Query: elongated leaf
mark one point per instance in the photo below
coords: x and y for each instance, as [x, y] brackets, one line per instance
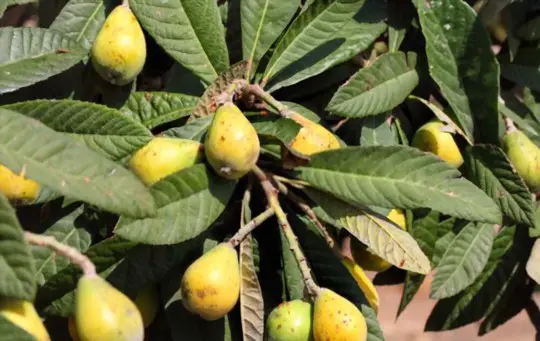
[10, 331]
[68, 231]
[533, 264]
[262, 23]
[355, 36]
[377, 88]
[81, 20]
[424, 231]
[188, 202]
[318, 23]
[400, 15]
[331, 273]
[155, 108]
[473, 303]
[369, 176]
[383, 237]
[189, 30]
[491, 171]
[31, 55]
[17, 270]
[193, 130]
[463, 261]
[206, 106]
[251, 300]
[100, 128]
[61, 164]
[466, 71]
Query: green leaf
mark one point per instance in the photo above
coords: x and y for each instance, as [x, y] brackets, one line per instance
[188, 30]
[152, 109]
[356, 35]
[400, 15]
[206, 106]
[251, 299]
[69, 168]
[377, 88]
[80, 21]
[283, 129]
[489, 168]
[424, 231]
[293, 277]
[10, 331]
[522, 114]
[318, 23]
[6, 3]
[475, 301]
[105, 130]
[194, 130]
[465, 70]
[369, 176]
[262, 23]
[188, 202]
[69, 230]
[17, 270]
[105, 255]
[377, 131]
[34, 54]
[331, 273]
[382, 236]
[463, 260]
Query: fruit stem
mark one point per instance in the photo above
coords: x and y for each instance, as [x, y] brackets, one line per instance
[228, 95]
[258, 91]
[249, 227]
[74, 256]
[295, 183]
[304, 206]
[510, 126]
[125, 3]
[272, 197]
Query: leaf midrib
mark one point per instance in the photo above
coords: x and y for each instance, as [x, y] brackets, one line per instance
[370, 217]
[257, 35]
[462, 260]
[87, 23]
[311, 23]
[415, 184]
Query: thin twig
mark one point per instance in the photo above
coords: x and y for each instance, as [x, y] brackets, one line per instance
[295, 183]
[249, 227]
[340, 124]
[63, 250]
[272, 197]
[304, 206]
[125, 3]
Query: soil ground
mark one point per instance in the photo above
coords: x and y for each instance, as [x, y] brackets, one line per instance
[410, 325]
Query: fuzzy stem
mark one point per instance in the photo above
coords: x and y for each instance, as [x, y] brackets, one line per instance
[125, 3]
[249, 227]
[258, 91]
[228, 95]
[272, 197]
[74, 256]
